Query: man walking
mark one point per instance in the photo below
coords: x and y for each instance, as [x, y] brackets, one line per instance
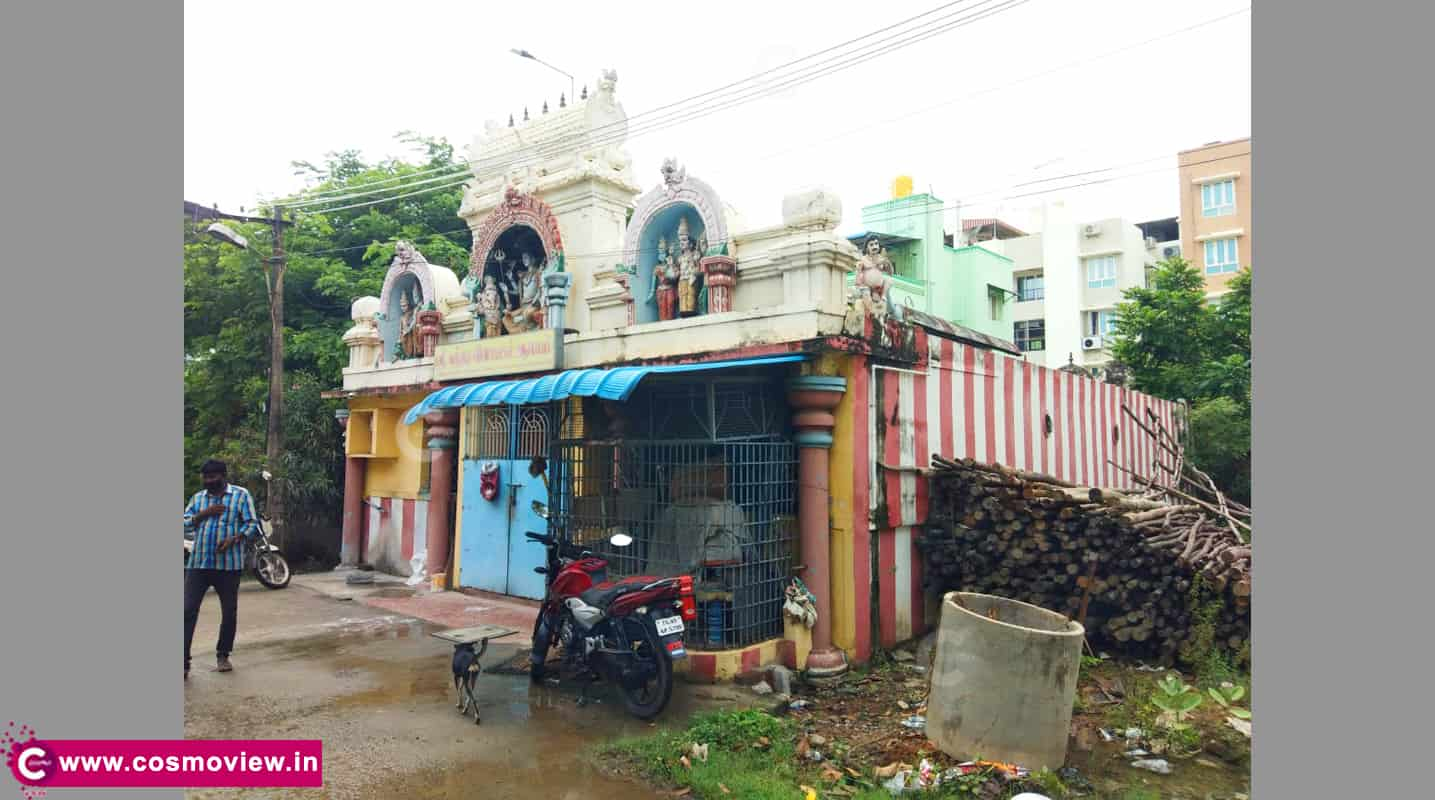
[220, 517]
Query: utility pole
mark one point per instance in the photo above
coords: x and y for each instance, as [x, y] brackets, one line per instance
[274, 267]
[274, 440]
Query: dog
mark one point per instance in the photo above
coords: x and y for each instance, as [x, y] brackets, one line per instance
[465, 667]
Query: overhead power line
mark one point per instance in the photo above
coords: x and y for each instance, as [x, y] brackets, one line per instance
[488, 168]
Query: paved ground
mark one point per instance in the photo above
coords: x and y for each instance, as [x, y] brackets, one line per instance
[364, 675]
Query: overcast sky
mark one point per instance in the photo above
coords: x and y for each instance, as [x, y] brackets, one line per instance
[269, 82]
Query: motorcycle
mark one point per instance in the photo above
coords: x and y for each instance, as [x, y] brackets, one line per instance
[628, 631]
[261, 557]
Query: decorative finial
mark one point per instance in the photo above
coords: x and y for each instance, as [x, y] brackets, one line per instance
[525, 113]
[510, 120]
[584, 96]
[545, 106]
[562, 100]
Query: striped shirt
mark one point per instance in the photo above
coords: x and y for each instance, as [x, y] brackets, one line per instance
[238, 519]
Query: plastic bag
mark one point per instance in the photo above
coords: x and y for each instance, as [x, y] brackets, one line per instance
[418, 566]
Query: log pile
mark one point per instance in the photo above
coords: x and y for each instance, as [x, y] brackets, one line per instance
[1122, 563]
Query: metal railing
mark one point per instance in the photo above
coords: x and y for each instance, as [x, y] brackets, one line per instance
[724, 512]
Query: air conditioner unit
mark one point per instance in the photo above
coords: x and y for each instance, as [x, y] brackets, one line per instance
[1171, 252]
[1091, 343]
[1091, 230]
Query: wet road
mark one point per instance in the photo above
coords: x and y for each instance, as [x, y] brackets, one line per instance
[376, 688]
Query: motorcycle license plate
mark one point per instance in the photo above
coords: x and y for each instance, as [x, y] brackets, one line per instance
[671, 631]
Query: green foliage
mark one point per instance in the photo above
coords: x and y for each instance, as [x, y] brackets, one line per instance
[1173, 344]
[1227, 695]
[1049, 783]
[1177, 698]
[1220, 444]
[735, 729]
[333, 258]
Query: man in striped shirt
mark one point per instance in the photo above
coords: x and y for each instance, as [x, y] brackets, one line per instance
[220, 517]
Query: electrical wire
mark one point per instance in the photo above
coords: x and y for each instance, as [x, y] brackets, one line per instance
[627, 121]
[538, 152]
[956, 205]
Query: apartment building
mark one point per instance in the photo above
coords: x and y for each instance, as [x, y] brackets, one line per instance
[1068, 280]
[1215, 185]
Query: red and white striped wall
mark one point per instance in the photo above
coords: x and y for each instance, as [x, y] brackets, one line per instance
[391, 527]
[981, 404]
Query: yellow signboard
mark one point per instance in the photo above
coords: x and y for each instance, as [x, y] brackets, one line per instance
[535, 351]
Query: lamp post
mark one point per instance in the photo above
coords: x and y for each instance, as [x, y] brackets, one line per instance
[531, 57]
[274, 282]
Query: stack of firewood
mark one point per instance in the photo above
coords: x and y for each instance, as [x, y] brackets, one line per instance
[1121, 563]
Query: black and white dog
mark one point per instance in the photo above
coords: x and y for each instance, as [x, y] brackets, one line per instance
[465, 670]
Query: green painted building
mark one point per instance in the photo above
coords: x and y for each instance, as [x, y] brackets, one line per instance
[970, 286]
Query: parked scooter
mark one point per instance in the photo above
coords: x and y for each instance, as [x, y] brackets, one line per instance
[261, 556]
[628, 632]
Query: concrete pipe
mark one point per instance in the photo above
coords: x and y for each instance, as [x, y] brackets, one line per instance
[1003, 683]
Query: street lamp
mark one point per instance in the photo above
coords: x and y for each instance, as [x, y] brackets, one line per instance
[224, 233]
[274, 283]
[531, 57]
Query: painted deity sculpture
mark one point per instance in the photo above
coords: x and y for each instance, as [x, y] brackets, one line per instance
[689, 271]
[528, 315]
[491, 308]
[472, 288]
[410, 343]
[665, 282]
[874, 275]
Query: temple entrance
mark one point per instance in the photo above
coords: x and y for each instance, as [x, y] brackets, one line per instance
[498, 495]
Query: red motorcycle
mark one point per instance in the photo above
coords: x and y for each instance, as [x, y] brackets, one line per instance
[628, 632]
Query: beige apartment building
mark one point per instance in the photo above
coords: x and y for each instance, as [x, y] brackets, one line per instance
[1215, 184]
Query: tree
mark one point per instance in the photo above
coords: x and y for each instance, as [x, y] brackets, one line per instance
[1176, 345]
[334, 257]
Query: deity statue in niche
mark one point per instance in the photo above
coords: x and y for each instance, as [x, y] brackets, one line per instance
[528, 313]
[665, 282]
[874, 275]
[490, 306]
[689, 271]
[410, 343]
[472, 288]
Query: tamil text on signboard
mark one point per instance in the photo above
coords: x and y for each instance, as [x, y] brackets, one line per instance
[534, 351]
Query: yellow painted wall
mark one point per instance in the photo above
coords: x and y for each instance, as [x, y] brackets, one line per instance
[398, 476]
[840, 479]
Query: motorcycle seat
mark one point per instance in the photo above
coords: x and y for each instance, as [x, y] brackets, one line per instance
[603, 594]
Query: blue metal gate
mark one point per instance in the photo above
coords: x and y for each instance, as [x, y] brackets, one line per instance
[494, 555]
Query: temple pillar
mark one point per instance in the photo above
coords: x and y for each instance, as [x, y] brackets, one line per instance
[354, 473]
[813, 398]
[442, 436]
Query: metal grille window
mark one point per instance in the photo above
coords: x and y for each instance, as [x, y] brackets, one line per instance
[1030, 335]
[487, 432]
[718, 502]
[1030, 287]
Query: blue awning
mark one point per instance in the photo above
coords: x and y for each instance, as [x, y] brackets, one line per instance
[617, 383]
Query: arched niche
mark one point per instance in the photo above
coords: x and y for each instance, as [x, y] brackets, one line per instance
[663, 225]
[410, 285]
[657, 214]
[522, 225]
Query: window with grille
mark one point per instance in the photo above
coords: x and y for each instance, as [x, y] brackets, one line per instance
[1030, 287]
[1030, 335]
